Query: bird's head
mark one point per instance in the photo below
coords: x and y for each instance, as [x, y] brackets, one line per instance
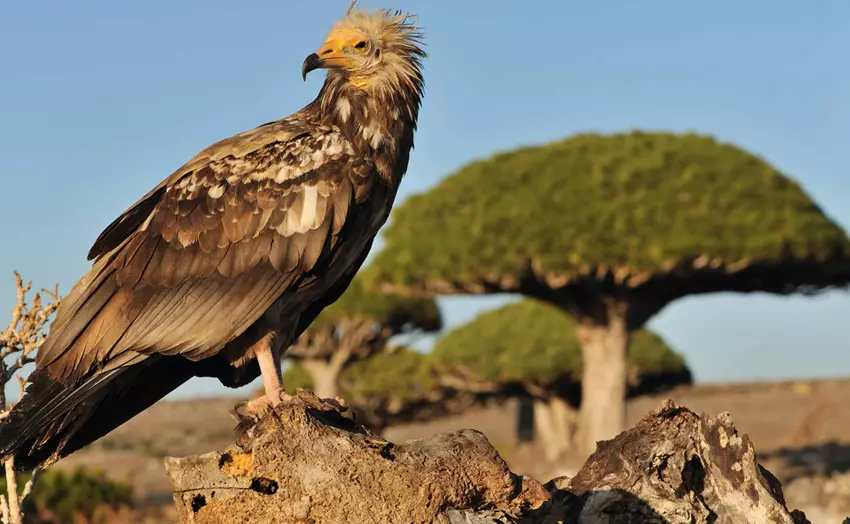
[377, 49]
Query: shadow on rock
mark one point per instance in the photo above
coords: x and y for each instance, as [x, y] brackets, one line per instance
[819, 460]
[608, 506]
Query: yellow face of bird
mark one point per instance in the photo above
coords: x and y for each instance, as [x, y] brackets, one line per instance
[349, 49]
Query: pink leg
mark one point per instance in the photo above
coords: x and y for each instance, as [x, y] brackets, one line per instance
[269, 361]
[267, 352]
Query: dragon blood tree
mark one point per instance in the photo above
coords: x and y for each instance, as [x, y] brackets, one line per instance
[611, 229]
[393, 387]
[529, 348]
[358, 326]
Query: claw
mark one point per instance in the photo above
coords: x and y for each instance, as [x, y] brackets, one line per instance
[255, 409]
[236, 411]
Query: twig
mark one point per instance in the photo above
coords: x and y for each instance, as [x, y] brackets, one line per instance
[28, 486]
[15, 516]
[4, 506]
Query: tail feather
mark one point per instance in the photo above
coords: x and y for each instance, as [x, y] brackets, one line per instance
[53, 420]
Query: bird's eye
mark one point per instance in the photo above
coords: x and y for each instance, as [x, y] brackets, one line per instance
[360, 45]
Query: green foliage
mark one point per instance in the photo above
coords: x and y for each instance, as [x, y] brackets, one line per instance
[70, 495]
[638, 202]
[295, 376]
[390, 388]
[402, 375]
[387, 310]
[534, 342]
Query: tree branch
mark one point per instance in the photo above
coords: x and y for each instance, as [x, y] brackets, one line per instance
[18, 343]
[4, 507]
[15, 515]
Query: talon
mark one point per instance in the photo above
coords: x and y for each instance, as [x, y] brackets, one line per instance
[285, 398]
[236, 411]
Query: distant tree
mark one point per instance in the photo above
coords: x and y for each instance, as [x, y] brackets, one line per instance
[530, 348]
[611, 229]
[358, 326]
[392, 388]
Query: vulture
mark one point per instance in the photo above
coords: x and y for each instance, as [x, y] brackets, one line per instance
[220, 267]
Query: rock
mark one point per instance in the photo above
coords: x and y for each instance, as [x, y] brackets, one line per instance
[674, 467]
[306, 464]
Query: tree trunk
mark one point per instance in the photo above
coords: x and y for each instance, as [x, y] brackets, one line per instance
[525, 419]
[555, 423]
[325, 377]
[603, 383]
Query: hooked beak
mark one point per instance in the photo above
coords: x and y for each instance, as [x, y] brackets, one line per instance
[310, 63]
[329, 55]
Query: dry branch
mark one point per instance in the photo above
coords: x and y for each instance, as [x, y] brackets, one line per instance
[305, 463]
[18, 343]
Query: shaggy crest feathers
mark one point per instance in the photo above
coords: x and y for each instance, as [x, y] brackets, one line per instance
[401, 40]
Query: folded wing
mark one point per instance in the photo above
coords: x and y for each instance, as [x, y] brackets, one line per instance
[198, 260]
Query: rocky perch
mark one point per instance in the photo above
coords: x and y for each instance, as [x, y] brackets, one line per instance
[305, 463]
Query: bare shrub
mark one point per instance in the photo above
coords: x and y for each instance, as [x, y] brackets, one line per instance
[18, 344]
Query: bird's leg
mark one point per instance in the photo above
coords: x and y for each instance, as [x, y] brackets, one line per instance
[268, 354]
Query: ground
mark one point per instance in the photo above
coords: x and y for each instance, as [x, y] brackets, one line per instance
[801, 430]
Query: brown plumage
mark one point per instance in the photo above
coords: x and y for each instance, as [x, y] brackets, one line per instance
[222, 265]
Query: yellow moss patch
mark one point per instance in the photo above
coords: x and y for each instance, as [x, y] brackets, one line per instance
[239, 465]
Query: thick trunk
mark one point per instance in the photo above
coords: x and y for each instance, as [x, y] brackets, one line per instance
[603, 384]
[555, 422]
[325, 376]
[525, 419]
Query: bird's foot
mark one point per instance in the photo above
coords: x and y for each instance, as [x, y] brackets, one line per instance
[248, 412]
[255, 409]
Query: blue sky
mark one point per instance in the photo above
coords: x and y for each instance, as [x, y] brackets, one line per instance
[100, 100]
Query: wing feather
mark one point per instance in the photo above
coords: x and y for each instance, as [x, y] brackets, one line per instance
[317, 243]
[210, 250]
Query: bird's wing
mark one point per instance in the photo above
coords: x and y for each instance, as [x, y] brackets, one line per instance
[193, 264]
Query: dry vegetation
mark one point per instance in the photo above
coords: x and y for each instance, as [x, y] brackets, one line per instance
[18, 343]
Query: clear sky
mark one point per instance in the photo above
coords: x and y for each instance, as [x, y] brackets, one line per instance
[100, 100]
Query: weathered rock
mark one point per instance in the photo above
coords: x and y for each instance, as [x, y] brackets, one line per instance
[309, 465]
[674, 467]
[304, 463]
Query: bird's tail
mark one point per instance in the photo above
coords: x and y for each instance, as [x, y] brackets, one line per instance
[53, 420]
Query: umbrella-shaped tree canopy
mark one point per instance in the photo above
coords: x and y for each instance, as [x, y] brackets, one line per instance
[629, 210]
[611, 229]
[402, 385]
[530, 348]
[358, 325]
[533, 345]
[394, 313]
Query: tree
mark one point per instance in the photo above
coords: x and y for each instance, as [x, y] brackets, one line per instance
[357, 326]
[611, 229]
[392, 387]
[530, 348]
